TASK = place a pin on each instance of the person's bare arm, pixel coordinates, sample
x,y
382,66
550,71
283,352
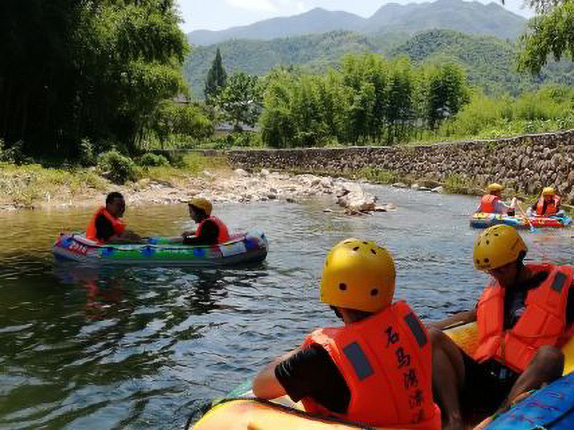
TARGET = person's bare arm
x,y
127,237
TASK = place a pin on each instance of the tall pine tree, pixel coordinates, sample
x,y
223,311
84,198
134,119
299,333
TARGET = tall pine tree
x,y
216,78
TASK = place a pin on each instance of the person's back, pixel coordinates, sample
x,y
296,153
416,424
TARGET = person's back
x,y
492,202
378,365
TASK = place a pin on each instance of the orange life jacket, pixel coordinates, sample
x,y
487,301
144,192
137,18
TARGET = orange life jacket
x,y
488,203
223,235
551,207
91,232
542,323
386,362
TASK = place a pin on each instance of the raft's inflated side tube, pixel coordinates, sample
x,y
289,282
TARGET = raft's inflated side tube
x,y
241,248
551,408
252,414
485,220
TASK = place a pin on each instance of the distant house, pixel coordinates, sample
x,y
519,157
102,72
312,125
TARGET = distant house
x,y
227,127
181,99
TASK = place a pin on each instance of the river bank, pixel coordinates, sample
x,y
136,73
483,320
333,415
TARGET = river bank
x,y
524,164
34,187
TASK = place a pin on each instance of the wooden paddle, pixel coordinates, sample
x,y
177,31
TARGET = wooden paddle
x,y
526,217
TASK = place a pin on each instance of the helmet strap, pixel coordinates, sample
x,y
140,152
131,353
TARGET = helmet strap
x,y
334,308
519,267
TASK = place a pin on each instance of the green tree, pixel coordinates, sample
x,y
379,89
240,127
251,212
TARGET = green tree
x,y
551,34
216,78
368,100
447,93
86,69
278,128
179,120
240,101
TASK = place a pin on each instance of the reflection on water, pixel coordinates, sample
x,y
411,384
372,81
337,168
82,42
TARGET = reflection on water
x,y
108,348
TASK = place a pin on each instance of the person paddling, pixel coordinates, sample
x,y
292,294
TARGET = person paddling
x,y
492,202
524,316
106,226
210,230
376,369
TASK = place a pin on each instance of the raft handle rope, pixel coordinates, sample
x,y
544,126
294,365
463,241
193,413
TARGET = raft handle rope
x,y
289,410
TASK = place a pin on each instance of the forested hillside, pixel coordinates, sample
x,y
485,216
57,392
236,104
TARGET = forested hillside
x,y
488,61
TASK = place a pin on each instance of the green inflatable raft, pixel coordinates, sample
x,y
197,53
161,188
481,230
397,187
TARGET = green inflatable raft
x,y
241,248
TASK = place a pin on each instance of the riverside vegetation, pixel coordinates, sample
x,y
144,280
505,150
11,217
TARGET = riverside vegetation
x,y
96,87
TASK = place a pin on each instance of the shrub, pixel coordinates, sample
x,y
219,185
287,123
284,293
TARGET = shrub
x,y
153,160
458,184
378,175
117,167
87,153
13,154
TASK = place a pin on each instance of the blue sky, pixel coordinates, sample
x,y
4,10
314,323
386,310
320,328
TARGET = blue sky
x,y
221,14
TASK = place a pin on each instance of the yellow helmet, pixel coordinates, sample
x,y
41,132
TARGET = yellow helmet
x,y
548,191
201,203
494,187
358,275
496,247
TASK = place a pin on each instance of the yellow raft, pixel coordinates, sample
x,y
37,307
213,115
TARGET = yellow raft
x,y
251,414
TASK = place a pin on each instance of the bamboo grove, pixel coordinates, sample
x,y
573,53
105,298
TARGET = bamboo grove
x,y
368,100
86,69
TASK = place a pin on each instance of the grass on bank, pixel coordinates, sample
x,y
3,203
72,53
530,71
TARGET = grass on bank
x,y
23,185
190,165
27,184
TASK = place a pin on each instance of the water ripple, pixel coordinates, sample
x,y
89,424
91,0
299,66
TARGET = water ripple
x,y
140,348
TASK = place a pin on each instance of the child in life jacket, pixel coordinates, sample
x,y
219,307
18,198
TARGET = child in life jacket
x,y
210,229
524,316
376,368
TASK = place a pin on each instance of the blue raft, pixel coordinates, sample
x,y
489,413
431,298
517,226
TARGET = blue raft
x,y
551,408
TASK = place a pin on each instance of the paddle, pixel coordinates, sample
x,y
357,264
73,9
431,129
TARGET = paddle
x,y
526,217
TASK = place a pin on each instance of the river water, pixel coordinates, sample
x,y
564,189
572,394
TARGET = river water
x,y
141,348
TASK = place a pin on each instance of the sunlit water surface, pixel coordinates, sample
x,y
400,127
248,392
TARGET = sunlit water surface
x,y
140,348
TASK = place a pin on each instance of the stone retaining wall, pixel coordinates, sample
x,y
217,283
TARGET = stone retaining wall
x,y
523,163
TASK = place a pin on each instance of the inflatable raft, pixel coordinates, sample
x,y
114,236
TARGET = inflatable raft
x,y
242,248
551,408
485,220
237,413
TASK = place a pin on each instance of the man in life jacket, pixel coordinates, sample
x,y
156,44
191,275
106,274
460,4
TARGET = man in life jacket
x,y
547,205
210,230
106,225
492,202
524,316
376,369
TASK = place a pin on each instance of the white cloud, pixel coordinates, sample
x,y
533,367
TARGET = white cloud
x,y
264,5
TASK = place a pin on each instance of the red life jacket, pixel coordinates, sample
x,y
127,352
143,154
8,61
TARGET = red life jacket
x,y
223,235
551,207
386,362
91,232
542,323
488,203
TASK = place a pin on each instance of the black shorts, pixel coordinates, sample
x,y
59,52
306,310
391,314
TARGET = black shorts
x,y
486,387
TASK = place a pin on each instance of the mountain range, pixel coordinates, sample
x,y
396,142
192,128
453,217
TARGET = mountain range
x,y
489,62
469,17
